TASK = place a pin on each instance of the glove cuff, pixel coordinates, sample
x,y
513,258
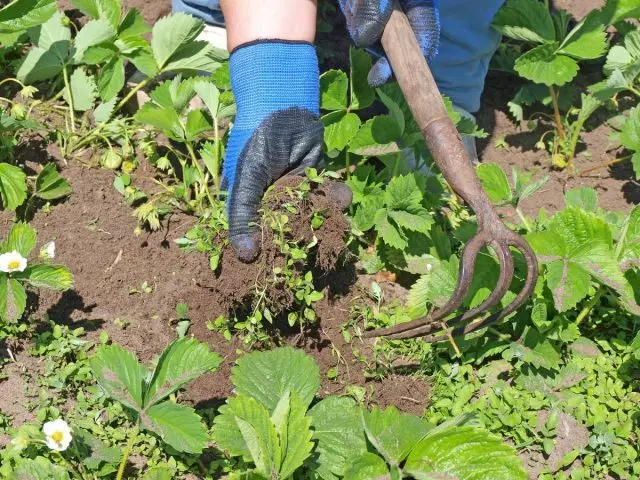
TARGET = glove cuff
x,y
272,75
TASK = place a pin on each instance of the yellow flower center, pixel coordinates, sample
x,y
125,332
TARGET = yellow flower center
x,y
57,437
14,264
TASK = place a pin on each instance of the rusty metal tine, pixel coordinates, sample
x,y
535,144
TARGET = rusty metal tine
x,y
502,286
532,276
465,277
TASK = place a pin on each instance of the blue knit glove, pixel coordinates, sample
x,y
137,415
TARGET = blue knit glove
x,y
277,129
366,20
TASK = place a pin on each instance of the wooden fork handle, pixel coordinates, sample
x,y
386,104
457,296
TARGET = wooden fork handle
x,y
426,104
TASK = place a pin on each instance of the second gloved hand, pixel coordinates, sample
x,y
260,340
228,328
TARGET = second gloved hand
x,y
277,129
366,20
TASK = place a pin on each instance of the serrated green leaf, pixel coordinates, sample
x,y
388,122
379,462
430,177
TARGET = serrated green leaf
x,y
618,10
365,216
577,247
434,288
416,219
165,119
368,466
294,432
362,95
587,40
103,112
120,375
495,183
209,94
177,425
13,299
535,350
338,430
112,79
21,15
341,130
243,428
53,35
22,238
143,60
180,363
159,473
630,130
93,33
38,469
333,90
88,7
526,20
175,93
464,453
402,192
544,65
13,186
82,92
171,34
582,197
54,277
389,232
50,185
132,25
38,65
194,57
394,111
266,376
197,123
392,433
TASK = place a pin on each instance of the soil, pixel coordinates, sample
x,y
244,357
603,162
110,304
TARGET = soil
x,y
94,234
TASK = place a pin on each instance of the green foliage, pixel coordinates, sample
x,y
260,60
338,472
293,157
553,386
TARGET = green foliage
x,y
630,137
271,429
576,249
20,242
554,58
20,15
13,186
122,378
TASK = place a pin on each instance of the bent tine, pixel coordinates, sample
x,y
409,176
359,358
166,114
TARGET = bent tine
x,y
428,325
444,142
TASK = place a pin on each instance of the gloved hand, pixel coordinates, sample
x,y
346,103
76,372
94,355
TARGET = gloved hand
x,y
277,129
366,20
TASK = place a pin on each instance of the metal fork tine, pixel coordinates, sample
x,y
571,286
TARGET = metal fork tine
x,y
530,283
502,286
465,277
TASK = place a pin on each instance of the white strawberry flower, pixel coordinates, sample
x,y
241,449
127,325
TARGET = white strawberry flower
x,y
57,435
12,262
48,250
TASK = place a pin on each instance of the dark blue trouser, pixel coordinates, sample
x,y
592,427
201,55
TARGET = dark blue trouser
x,y
466,45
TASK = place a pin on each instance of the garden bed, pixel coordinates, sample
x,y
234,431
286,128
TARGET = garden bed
x,y
128,282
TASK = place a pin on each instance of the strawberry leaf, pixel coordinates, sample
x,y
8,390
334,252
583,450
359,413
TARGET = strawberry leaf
x,y
544,65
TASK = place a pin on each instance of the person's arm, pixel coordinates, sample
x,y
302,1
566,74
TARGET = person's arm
x,y
249,20
277,129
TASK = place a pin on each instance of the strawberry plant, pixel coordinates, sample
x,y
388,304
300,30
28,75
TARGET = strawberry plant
x,y
17,270
552,53
146,393
270,426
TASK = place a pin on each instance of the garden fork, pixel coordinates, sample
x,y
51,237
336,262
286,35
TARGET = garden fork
x,y
445,144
